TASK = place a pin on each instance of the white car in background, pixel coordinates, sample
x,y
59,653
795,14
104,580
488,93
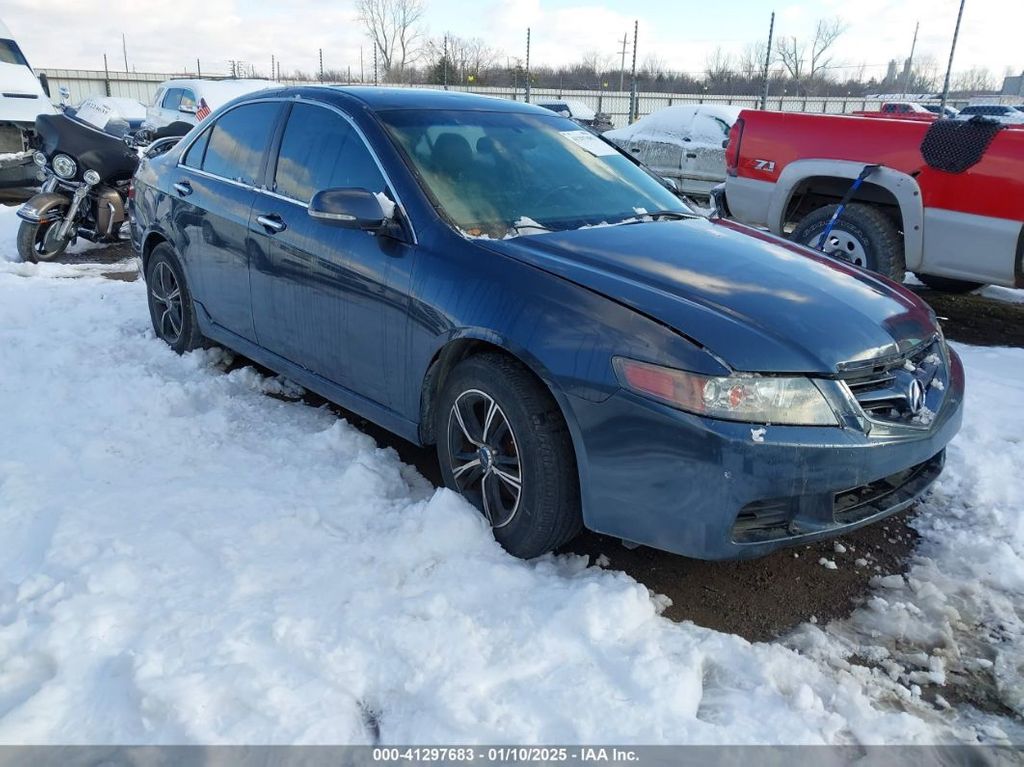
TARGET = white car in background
x,y
1001,112
191,101
685,143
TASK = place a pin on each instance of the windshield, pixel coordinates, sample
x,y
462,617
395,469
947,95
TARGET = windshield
x,y
498,173
11,54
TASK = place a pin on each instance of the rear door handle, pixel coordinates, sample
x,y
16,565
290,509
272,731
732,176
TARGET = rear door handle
x,y
184,188
271,222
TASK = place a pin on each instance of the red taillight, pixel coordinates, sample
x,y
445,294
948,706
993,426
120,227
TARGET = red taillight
x,y
131,191
732,151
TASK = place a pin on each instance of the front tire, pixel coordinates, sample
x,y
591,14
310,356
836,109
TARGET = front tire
x,y
947,284
863,235
36,242
503,445
170,301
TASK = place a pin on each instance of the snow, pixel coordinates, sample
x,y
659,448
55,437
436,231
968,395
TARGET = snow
x,y
699,123
187,560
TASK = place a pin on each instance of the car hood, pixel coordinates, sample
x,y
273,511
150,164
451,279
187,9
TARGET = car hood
x,y
757,302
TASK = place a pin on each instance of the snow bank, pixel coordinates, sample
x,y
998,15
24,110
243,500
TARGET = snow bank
x,y
187,560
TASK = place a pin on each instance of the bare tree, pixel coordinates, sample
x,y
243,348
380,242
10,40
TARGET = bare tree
x,y
717,65
804,60
652,66
394,26
751,62
973,80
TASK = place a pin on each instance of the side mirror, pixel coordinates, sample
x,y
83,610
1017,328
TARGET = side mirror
x,y
349,208
189,110
725,143
671,184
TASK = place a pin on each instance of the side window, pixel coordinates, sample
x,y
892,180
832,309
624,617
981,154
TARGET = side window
x,y
172,98
188,100
194,156
320,150
238,140
158,97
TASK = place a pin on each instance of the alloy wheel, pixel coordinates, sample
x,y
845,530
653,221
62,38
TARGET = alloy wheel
x,y
485,456
166,292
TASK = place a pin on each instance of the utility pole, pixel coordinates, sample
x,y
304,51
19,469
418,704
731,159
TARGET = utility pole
x,y
634,108
527,65
949,66
361,79
910,61
444,62
622,65
199,69
106,75
273,66
124,49
767,62
375,63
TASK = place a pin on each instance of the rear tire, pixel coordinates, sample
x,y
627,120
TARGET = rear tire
x,y
863,235
947,284
521,456
32,243
170,301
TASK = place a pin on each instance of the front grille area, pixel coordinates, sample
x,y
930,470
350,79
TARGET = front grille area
x,y
777,518
764,520
883,388
882,494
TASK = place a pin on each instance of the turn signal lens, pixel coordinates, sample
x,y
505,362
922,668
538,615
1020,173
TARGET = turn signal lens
x,y
39,159
785,400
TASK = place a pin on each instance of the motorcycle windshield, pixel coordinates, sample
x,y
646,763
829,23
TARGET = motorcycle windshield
x,y
114,116
90,147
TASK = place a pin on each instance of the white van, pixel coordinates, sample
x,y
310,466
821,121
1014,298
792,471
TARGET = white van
x,y
192,100
22,98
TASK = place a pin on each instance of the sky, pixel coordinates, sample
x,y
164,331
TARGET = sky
x,y
169,35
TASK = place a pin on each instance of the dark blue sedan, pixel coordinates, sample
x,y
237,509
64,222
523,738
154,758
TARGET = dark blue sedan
x,y
487,277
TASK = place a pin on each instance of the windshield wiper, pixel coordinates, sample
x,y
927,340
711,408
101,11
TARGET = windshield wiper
x,y
675,215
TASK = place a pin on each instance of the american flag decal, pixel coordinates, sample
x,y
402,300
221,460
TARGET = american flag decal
x,y
204,111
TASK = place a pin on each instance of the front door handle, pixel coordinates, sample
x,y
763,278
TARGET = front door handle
x,y
272,223
184,188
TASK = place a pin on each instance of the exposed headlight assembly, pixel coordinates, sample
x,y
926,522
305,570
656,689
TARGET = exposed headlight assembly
x,y
784,400
64,166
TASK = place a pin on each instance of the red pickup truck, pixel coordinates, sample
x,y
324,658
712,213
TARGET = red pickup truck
x,y
946,200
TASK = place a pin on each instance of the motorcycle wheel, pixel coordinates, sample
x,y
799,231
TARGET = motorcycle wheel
x,y
36,242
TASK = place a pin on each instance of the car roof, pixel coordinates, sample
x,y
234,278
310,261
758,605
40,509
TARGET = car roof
x,y
381,98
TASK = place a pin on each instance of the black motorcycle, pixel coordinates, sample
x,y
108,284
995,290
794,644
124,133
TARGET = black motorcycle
x,y
86,172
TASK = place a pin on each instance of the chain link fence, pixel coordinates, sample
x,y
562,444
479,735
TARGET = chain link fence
x,y
141,86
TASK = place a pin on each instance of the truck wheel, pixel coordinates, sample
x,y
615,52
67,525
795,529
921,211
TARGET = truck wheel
x,y
863,235
947,284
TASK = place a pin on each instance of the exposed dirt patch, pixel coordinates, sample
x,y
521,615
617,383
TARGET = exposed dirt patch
x,y
975,319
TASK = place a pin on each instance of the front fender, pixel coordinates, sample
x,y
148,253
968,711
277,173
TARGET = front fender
x,y
44,207
900,185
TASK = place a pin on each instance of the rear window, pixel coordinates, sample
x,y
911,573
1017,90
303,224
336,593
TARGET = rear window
x,y
238,140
